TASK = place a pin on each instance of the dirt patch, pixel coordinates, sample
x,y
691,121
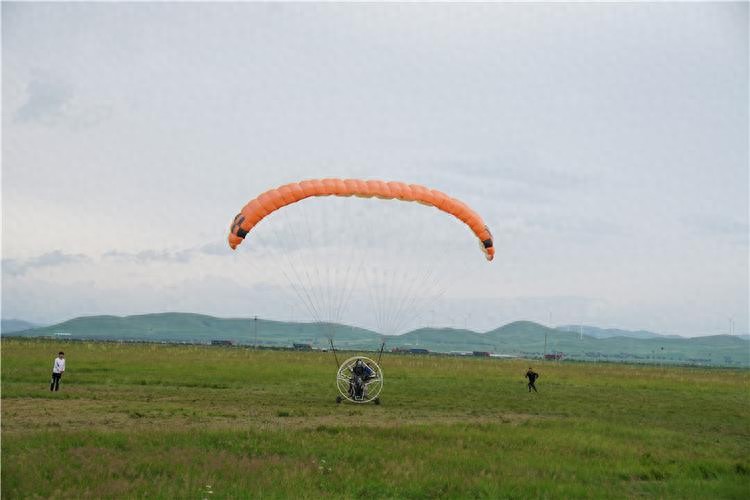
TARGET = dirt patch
x,y
25,415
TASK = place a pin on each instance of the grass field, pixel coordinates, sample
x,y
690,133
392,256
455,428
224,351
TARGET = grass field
x,y
139,420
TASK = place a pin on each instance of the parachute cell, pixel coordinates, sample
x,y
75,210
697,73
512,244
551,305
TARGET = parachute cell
x,y
255,210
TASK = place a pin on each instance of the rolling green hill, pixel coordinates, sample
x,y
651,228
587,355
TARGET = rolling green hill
x,y
188,327
602,333
15,325
520,338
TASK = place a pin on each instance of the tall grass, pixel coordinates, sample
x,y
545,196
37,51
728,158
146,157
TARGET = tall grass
x,y
206,422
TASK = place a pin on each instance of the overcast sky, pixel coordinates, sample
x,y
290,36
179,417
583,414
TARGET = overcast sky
x,y
605,145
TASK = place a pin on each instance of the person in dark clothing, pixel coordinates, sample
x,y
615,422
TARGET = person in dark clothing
x,y
362,370
532,376
361,374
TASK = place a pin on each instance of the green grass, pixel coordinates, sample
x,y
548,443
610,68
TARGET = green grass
x,y
138,420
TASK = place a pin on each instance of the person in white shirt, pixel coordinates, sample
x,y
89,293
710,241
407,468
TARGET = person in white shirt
x,y
58,368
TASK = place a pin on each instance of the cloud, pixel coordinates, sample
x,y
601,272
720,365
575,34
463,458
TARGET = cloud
x,y
47,100
524,171
215,248
56,258
44,301
590,225
182,255
150,256
735,230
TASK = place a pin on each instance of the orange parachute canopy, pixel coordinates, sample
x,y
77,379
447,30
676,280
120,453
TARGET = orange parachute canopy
x,y
274,199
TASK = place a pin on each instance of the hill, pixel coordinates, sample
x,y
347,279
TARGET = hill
x,y
15,325
604,333
199,328
520,338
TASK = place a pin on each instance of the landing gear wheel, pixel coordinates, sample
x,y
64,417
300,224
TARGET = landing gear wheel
x,y
339,399
370,388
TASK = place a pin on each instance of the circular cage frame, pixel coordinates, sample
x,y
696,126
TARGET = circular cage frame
x,y
373,386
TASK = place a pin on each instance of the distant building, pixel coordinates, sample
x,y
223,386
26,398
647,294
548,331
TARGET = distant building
x,y
62,335
408,350
302,347
554,357
222,342
481,353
